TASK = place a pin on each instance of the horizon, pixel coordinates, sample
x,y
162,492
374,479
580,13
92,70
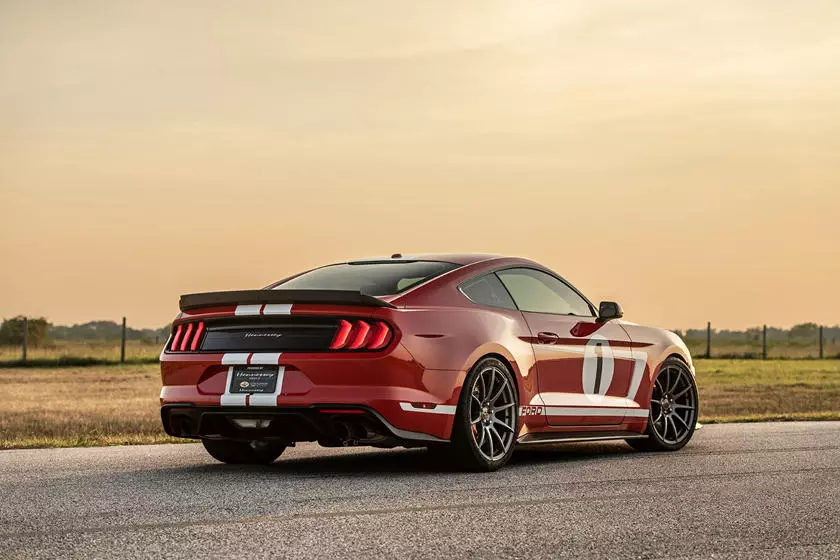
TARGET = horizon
x,y
678,159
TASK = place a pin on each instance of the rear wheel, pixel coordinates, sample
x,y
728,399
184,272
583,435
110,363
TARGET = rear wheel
x,y
236,452
484,432
673,409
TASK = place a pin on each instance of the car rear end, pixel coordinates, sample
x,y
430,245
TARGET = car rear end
x,y
288,365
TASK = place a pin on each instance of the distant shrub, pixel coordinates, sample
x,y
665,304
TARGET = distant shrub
x,y
11,331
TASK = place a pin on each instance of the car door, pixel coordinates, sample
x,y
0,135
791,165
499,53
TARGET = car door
x,y
585,368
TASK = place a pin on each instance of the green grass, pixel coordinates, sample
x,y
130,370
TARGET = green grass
x,y
755,390
118,405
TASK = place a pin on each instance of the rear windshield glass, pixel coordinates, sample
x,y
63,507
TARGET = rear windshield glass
x,y
373,279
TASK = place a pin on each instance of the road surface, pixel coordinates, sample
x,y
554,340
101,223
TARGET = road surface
x,y
743,491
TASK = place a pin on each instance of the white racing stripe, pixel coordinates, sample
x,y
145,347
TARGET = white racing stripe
x,y
264,309
439,409
265,399
265,359
248,309
251,358
595,411
277,309
229,399
235,359
579,399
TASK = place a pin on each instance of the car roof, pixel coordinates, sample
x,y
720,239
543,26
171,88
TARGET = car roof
x,y
455,258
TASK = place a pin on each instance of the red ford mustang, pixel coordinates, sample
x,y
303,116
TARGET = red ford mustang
x,y
468,355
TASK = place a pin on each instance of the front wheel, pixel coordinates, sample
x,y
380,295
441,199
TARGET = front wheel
x,y
236,452
484,431
673,409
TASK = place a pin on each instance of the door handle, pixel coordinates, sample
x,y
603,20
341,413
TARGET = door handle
x,y
548,337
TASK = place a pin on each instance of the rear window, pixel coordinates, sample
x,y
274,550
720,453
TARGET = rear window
x,y
371,278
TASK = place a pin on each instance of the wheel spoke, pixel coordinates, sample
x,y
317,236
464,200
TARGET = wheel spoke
x,y
492,382
658,418
685,406
672,384
659,385
500,423
683,392
490,437
678,417
665,432
499,436
503,407
498,394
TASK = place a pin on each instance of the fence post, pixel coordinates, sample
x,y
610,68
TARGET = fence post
x,y
764,343
821,342
708,339
122,343
25,337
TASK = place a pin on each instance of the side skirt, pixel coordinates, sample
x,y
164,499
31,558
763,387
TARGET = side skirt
x,y
534,439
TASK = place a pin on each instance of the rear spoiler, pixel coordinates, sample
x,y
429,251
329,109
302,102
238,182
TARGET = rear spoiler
x,y
255,297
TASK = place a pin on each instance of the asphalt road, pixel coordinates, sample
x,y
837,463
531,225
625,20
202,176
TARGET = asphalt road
x,y
742,491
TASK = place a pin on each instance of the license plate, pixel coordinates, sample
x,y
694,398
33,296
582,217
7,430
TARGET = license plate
x,y
254,379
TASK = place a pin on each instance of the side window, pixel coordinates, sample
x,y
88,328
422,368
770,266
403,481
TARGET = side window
x,y
539,292
487,290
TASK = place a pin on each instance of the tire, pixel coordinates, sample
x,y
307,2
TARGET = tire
x,y
235,452
673,409
487,408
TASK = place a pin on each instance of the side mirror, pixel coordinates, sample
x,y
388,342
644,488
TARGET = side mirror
x,y
609,310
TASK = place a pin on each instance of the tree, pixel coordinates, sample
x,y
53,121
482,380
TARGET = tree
x,y
11,331
805,330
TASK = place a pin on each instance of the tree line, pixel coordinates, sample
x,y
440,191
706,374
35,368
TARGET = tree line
x,y
41,331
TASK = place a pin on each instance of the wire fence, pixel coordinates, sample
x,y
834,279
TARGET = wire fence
x,y
807,341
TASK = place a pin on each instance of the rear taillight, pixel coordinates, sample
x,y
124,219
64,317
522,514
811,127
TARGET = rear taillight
x,y
187,337
361,335
342,335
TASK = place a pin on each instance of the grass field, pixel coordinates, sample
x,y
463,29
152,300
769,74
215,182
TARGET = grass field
x,y
111,405
79,352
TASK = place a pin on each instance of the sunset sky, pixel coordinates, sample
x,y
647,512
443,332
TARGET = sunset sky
x,y
682,158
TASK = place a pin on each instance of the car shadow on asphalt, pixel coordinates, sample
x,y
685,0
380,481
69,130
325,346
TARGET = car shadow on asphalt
x,y
391,462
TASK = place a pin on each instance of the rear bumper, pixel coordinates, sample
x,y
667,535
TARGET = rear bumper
x,y
386,387
330,425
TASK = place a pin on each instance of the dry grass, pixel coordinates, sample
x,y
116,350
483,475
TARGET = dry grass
x,y
46,407
109,405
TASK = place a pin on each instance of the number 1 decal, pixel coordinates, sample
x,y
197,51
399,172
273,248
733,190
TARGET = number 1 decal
x,y
598,368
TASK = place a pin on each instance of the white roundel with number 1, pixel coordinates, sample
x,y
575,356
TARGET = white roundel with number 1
x,y
598,368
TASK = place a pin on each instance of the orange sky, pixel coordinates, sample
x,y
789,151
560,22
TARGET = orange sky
x,y
681,158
